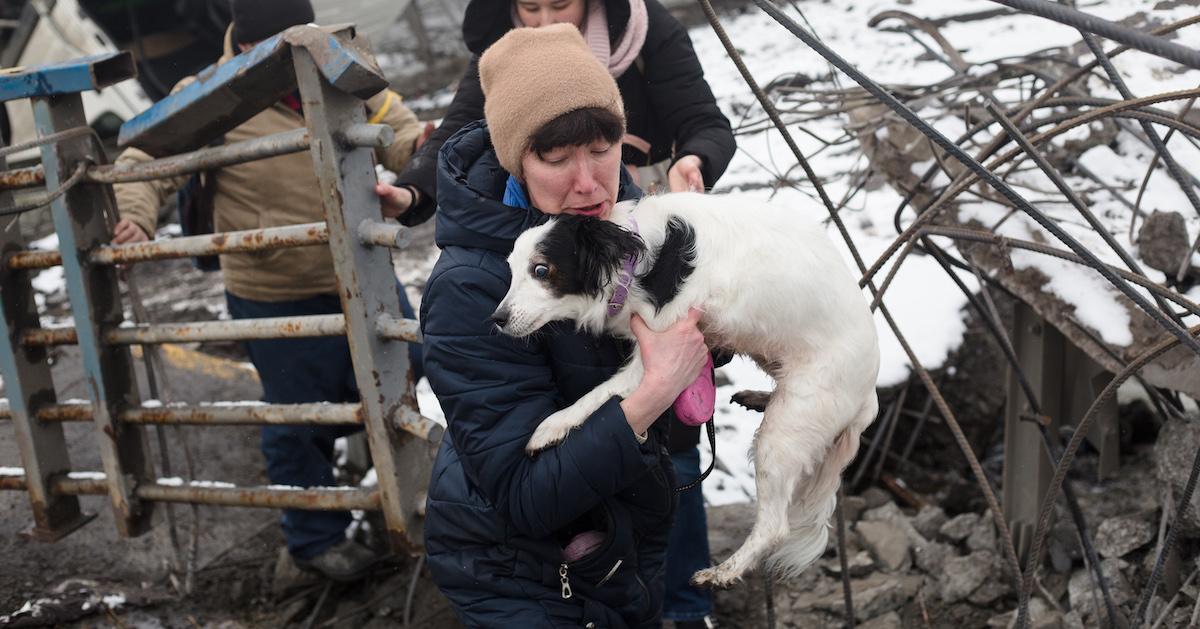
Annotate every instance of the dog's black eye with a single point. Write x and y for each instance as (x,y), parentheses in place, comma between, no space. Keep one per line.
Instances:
(540,271)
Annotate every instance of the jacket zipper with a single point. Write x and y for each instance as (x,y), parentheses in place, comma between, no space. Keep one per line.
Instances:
(610,573)
(566,583)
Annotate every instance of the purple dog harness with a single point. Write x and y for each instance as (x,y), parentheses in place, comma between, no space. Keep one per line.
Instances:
(624,278)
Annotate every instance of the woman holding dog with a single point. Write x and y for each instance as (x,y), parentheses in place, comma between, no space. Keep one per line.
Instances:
(676,139)
(575,535)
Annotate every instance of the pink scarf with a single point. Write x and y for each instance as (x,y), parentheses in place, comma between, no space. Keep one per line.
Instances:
(595,32)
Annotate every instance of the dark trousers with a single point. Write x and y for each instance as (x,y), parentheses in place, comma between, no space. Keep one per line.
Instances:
(298,371)
(687,548)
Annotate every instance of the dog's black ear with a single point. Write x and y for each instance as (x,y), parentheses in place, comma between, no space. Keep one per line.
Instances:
(602,248)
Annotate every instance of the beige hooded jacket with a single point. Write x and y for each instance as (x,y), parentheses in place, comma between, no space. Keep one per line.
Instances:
(269,193)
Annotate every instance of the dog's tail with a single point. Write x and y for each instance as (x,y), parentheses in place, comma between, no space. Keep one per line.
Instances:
(813,505)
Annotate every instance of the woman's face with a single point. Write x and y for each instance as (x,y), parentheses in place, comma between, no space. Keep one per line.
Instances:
(574,179)
(536,13)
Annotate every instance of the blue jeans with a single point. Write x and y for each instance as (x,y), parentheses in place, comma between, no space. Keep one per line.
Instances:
(687,548)
(298,371)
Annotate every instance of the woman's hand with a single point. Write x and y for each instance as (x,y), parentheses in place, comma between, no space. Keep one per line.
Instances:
(394,200)
(671,360)
(128,231)
(685,175)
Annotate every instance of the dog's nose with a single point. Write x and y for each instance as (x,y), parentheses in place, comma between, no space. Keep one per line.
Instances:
(500,317)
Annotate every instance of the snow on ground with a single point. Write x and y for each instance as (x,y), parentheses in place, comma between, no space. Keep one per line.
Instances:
(927,306)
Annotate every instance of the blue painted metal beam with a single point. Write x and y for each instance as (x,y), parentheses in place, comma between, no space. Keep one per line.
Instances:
(224,96)
(70,77)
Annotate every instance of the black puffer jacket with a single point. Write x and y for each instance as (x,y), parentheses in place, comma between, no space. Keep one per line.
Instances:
(496,519)
(667,101)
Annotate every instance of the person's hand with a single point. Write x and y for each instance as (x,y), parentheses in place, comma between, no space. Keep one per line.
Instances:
(671,360)
(424,137)
(128,231)
(394,200)
(685,175)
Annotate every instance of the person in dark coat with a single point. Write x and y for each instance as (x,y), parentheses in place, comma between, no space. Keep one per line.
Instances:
(672,119)
(576,534)
(676,138)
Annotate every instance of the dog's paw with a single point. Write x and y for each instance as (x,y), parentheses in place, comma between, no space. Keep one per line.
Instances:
(716,577)
(550,432)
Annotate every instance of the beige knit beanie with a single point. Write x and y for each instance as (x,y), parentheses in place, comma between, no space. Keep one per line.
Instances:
(532,76)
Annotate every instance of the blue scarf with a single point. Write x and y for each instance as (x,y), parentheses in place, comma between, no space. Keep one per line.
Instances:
(514,194)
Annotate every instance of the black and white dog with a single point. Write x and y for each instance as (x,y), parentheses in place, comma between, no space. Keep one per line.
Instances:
(772,286)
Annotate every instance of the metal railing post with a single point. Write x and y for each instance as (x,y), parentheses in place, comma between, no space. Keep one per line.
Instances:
(29,387)
(367,286)
(81,219)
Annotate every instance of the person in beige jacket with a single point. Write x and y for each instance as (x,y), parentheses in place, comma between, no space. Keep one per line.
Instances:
(290,282)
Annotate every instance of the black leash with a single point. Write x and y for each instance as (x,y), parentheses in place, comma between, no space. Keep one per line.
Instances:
(712,442)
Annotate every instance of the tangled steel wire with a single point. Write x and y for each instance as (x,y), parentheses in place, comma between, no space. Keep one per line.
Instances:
(1054,101)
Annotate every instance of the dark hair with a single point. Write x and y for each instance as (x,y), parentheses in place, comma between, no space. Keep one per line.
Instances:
(576,128)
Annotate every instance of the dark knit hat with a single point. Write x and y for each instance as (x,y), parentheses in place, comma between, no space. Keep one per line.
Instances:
(256,20)
(532,76)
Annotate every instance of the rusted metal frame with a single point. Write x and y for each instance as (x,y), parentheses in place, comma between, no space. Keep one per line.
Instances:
(367,287)
(29,384)
(209,158)
(390,328)
(219,494)
(1052,173)
(951,421)
(81,221)
(53,138)
(43,200)
(247,241)
(1018,443)
(21,178)
(212,158)
(224,96)
(206,414)
(87,74)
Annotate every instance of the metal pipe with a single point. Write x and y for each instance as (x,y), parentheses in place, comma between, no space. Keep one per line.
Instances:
(199,492)
(248,414)
(375,233)
(268,497)
(376,136)
(394,329)
(21,178)
(250,240)
(416,424)
(206,331)
(211,158)
(215,414)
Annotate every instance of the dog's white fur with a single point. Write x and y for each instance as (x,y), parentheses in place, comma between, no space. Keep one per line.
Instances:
(773,287)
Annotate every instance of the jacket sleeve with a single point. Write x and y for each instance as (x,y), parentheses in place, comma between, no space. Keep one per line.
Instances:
(495,390)
(139,201)
(387,107)
(678,92)
(421,172)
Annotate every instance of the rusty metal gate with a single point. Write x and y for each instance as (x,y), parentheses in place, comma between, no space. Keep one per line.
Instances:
(333,74)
